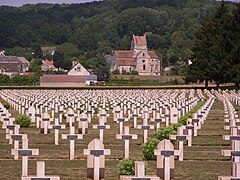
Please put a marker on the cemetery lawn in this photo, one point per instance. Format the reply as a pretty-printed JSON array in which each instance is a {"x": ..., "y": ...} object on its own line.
[{"x": 201, "y": 161}]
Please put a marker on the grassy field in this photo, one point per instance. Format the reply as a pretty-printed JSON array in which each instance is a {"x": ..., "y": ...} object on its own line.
[{"x": 201, "y": 161}]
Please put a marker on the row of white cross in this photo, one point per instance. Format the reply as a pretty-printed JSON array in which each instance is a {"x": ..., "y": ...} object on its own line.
[
  {"x": 165, "y": 151},
  {"x": 231, "y": 117}
]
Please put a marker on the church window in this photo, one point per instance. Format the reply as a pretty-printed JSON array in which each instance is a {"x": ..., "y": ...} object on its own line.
[
  {"x": 143, "y": 54},
  {"x": 144, "y": 67},
  {"x": 143, "y": 61}
]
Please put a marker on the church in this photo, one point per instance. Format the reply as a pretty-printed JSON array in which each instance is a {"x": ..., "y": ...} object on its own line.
[{"x": 137, "y": 59}]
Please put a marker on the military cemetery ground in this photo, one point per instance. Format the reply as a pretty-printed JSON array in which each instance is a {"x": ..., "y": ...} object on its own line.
[{"x": 90, "y": 134}]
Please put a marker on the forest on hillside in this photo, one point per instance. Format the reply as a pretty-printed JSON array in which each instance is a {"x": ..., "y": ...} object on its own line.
[{"x": 89, "y": 31}]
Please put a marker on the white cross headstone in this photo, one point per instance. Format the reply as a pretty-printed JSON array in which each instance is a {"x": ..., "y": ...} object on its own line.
[
  {"x": 139, "y": 173},
  {"x": 72, "y": 137},
  {"x": 40, "y": 173},
  {"x": 95, "y": 160},
  {"x": 126, "y": 137},
  {"x": 25, "y": 152}
]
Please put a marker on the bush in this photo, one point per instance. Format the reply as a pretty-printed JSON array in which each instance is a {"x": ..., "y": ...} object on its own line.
[
  {"x": 23, "y": 120},
  {"x": 134, "y": 73},
  {"x": 6, "y": 105},
  {"x": 149, "y": 147},
  {"x": 126, "y": 166},
  {"x": 164, "y": 133},
  {"x": 115, "y": 72},
  {"x": 124, "y": 72}
]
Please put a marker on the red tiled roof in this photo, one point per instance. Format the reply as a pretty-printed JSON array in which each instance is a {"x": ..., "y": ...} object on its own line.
[
  {"x": 140, "y": 40},
  {"x": 29, "y": 73},
  {"x": 126, "y": 62},
  {"x": 49, "y": 63},
  {"x": 124, "y": 54},
  {"x": 153, "y": 55},
  {"x": 62, "y": 78}
]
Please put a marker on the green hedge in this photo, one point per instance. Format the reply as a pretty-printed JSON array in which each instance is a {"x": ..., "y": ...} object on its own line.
[
  {"x": 23, "y": 120},
  {"x": 165, "y": 132},
  {"x": 127, "y": 166}
]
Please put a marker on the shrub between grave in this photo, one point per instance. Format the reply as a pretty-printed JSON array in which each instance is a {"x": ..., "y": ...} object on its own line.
[
  {"x": 164, "y": 133},
  {"x": 127, "y": 166},
  {"x": 23, "y": 120},
  {"x": 6, "y": 105}
]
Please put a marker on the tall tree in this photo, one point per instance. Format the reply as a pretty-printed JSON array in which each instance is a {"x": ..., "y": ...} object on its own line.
[
  {"x": 101, "y": 68},
  {"x": 210, "y": 54}
]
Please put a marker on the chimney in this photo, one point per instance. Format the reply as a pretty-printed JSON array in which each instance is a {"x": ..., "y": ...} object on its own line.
[{"x": 74, "y": 63}]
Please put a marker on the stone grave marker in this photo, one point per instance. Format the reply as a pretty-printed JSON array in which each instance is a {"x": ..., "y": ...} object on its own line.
[
  {"x": 16, "y": 137},
  {"x": 37, "y": 117},
  {"x": 135, "y": 116},
  {"x": 96, "y": 159},
  {"x": 101, "y": 128},
  {"x": 40, "y": 173},
  {"x": 158, "y": 119},
  {"x": 145, "y": 127},
  {"x": 56, "y": 128},
  {"x": 72, "y": 137},
  {"x": 45, "y": 123},
  {"x": 126, "y": 137},
  {"x": 167, "y": 116},
  {"x": 121, "y": 120},
  {"x": 165, "y": 159},
  {"x": 31, "y": 113},
  {"x": 190, "y": 128},
  {"x": 174, "y": 115},
  {"x": 25, "y": 152},
  {"x": 70, "y": 117},
  {"x": 139, "y": 173},
  {"x": 83, "y": 123},
  {"x": 180, "y": 138}
]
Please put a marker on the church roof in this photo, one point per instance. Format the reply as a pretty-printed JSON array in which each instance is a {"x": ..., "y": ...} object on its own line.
[
  {"x": 126, "y": 62},
  {"x": 124, "y": 54},
  {"x": 153, "y": 55},
  {"x": 140, "y": 40}
]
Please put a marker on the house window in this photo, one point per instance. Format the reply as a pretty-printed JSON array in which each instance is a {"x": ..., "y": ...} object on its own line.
[
  {"x": 78, "y": 69},
  {"x": 144, "y": 67},
  {"x": 130, "y": 69}
]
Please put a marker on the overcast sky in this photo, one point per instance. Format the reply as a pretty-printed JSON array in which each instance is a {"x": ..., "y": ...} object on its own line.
[{"x": 21, "y": 2}]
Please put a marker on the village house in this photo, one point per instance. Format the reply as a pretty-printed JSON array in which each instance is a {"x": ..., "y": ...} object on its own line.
[
  {"x": 48, "y": 65},
  {"x": 138, "y": 58},
  {"x": 78, "y": 76},
  {"x": 13, "y": 65}
]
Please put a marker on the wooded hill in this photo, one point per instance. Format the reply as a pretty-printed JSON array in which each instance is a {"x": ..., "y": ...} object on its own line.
[{"x": 84, "y": 31}]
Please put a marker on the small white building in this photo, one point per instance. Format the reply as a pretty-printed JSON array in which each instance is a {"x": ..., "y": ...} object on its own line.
[{"x": 78, "y": 70}]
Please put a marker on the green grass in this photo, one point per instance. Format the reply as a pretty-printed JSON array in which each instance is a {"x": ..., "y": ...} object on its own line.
[{"x": 201, "y": 161}]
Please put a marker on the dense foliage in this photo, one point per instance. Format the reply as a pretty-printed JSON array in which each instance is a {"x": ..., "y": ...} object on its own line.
[
  {"x": 86, "y": 31},
  {"x": 6, "y": 105},
  {"x": 127, "y": 166},
  {"x": 216, "y": 50},
  {"x": 149, "y": 147},
  {"x": 19, "y": 80},
  {"x": 23, "y": 120},
  {"x": 164, "y": 133}
]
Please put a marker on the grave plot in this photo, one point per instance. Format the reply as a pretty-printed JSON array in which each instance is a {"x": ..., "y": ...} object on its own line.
[
  {"x": 108, "y": 116},
  {"x": 205, "y": 153}
]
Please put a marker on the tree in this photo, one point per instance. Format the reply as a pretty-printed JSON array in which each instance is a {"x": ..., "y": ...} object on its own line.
[
  {"x": 101, "y": 68},
  {"x": 210, "y": 53},
  {"x": 37, "y": 51},
  {"x": 60, "y": 61}
]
